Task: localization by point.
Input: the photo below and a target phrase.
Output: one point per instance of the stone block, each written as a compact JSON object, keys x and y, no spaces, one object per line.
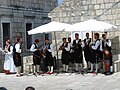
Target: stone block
{"x":97,"y":6}
{"x":102,"y":6}
{"x":108,"y":5}
{"x":117,"y":66}
{"x":98,"y":12}
{"x":27,"y":63}
{"x":117,"y":22}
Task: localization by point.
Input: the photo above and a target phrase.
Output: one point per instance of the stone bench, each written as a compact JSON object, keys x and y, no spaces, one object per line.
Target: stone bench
{"x":117,"y":66}
{"x":27,"y":64}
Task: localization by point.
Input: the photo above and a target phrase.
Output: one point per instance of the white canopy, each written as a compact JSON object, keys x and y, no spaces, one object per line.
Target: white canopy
{"x":91,"y":25}
{"x":50,"y":27}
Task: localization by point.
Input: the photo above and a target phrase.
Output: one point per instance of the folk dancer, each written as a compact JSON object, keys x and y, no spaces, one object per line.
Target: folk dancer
{"x":48,"y":56}
{"x":96,"y":49}
{"x":36,"y":56}
{"x":9,"y":66}
{"x":71,"y":53}
{"x":65,"y":47}
{"x":107,"y":54}
{"x":16,"y":55}
{"x":78,"y":56}
{"x":87,"y":49}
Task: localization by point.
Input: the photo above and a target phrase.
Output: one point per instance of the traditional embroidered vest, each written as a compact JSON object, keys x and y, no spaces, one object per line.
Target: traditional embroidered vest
{"x":87,"y":43}
{"x":77,"y":45}
{"x":65,"y":46}
{"x":105,"y":46}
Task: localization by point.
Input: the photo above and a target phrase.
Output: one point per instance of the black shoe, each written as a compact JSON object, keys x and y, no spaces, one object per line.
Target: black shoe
{"x":91,"y":71}
{"x":108,"y":73}
{"x":76,"y":71}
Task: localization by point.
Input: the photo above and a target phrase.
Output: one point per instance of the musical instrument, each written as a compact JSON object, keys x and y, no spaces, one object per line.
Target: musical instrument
{"x":4,"y":51}
{"x":106,"y":52}
{"x":61,"y":48}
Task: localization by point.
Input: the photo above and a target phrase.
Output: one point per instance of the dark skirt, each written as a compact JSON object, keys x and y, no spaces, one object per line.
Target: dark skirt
{"x":36,"y":60}
{"x":71,"y":57}
{"x":49,"y":60}
{"x":78,"y":57}
{"x":65,"y":57}
{"x":87,"y":54}
{"x":17,"y":59}
{"x":96,"y":56}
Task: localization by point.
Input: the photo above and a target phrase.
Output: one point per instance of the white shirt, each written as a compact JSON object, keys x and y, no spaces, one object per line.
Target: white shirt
{"x":51,"y":48}
{"x":11,"y":50}
{"x":32,"y":49}
{"x":97,"y":44}
{"x":108,"y":43}
{"x":82,"y":45}
{"x":17,"y":47}
{"x":68,"y":47}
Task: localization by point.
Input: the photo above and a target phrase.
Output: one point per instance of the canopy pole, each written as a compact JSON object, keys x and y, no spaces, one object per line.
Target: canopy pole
{"x":56,"y":44}
{"x":92,"y":36}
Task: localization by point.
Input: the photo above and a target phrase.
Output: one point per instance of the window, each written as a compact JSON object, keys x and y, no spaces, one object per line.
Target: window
{"x":28,"y":37}
{"x":6,"y":32}
{"x":46,"y":36}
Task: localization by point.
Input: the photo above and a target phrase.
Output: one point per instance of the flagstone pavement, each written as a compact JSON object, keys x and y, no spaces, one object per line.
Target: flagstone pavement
{"x":62,"y":82}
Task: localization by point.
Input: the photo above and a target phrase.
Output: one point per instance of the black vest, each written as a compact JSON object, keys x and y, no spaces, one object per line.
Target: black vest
{"x":14,"y":49}
{"x":98,"y":48}
{"x":87,"y":43}
{"x":106,"y":47}
{"x":9,"y":48}
{"x":65,"y":46}
{"x":77,"y":45}
{"x":47,"y":52}
{"x":36,"y":52}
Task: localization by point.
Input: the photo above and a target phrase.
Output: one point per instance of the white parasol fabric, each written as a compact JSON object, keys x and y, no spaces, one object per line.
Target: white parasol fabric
{"x":50,"y":27}
{"x":91,"y":25}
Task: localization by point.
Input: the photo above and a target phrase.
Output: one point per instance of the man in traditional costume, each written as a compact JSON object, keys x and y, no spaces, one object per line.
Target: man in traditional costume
{"x":78,"y":56}
{"x":36,"y":56}
{"x":96,"y":52}
{"x":65,"y":47}
{"x":48,"y":56}
{"x":107,"y":54}
{"x":87,"y":49}
{"x":16,"y":55}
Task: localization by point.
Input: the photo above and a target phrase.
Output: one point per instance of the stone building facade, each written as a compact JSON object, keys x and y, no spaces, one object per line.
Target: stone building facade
{"x":19,"y":16}
{"x":73,"y":11}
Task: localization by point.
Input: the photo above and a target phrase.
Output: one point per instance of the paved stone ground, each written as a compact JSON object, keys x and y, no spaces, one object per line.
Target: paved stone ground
{"x":62,"y":82}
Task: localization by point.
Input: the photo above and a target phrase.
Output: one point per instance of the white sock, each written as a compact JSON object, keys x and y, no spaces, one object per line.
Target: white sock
{"x":76,"y":66}
{"x":96,"y":66}
{"x":67,"y":68}
{"x":63,"y":67}
{"x":34,"y":69}
{"x":17,"y":69}
{"x":81,"y":67}
{"x":48,"y":68}
{"x":91,"y":67}
{"x":111,"y":68}
{"x":51,"y":69}
{"x":38,"y":68}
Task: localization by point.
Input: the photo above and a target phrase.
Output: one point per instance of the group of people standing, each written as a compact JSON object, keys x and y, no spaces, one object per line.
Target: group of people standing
{"x":12,"y":63}
{"x":44,"y":55}
{"x":94,"y":52}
